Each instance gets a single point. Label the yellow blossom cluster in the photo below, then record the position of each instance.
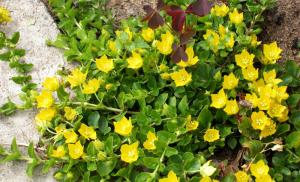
(266, 94)
(223, 36)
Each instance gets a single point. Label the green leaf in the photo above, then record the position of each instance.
(232, 143)
(15, 38)
(293, 100)
(93, 119)
(21, 79)
(183, 105)
(295, 120)
(48, 164)
(161, 100)
(283, 128)
(170, 151)
(193, 166)
(145, 177)
(293, 139)
(92, 166)
(105, 167)
(254, 146)
(151, 162)
(15, 153)
(31, 151)
(62, 94)
(31, 166)
(8, 108)
(205, 117)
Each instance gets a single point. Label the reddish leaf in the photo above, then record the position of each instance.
(186, 36)
(178, 17)
(200, 7)
(153, 17)
(179, 54)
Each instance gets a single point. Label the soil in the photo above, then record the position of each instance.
(282, 24)
(126, 8)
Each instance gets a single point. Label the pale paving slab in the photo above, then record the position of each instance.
(31, 19)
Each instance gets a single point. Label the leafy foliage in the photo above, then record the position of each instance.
(127, 112)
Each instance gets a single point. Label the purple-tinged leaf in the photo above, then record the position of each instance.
(200, 7)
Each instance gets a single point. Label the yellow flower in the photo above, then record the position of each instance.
(70, 113)
(45, 116)
(87, 132)
(164, 48)
(254, 41)
(259, 169)
(59, 152)
(230, 42)
(148, 34)
(123, 127)
(241, 176)
(76, 78)
(268, 130)
(165, 76)
(129, 33)
(220, 10)
(171, 178)
(51, 83)
(163, 68)
(207, 170)
(104, 64)
(258, 85)
(135, 61)
(4, 15)
(222, 31)
(284, 116)
(168, 38)
(191, 59)
(70, 136)
(212, 38)
(60, 129)
(92, 86)
(264, 178)
(276, 110)
(270, 78)
(271, 53)
(191, 124)
(250, 73)
(112, 46)
(208, 179)
(108, 86)
(45, 99)
(165, 45)
(231, 107)
(244, 59)
(149, 143)
(236, 17)
(211, 135)
(75, 150)
(218, 100)
(280, 93)
(129, 153)
(181, 77)
(259, 120)
(230, 81)
(252, 98)
(263, 102)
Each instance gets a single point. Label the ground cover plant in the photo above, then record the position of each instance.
(187, 93)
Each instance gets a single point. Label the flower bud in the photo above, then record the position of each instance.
(101, 155)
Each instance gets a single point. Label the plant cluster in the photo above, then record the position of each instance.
(128, 112)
